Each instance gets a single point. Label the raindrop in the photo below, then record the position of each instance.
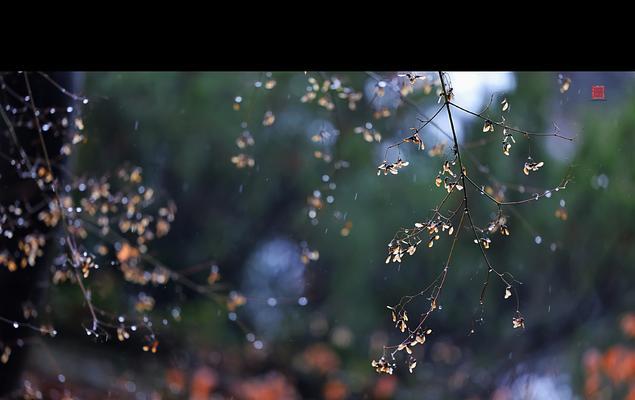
(538, 239)
(16, 325)
(272, 302)
(303, 301)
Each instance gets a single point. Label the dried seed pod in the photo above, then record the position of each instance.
(518, 322)
(531, 166)
(411, 365)
(508, 293)
(488, 126)
(505, 105)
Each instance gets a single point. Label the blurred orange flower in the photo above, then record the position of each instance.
(322, 358)
(273, 386)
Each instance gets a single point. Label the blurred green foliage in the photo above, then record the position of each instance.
(180, 127)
